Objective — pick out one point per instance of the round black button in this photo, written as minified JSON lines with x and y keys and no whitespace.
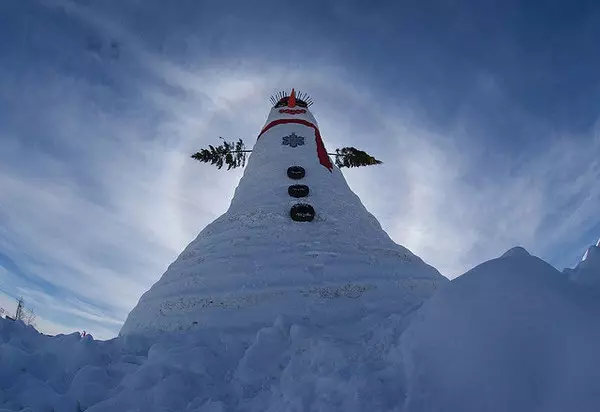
{"x":296,"y":172}
{"x":298,"y":190}
{"x":302,"y":212}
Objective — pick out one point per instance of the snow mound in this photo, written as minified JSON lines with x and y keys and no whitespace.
{"x":587,"y":272}
{"x":511,"y":334}
{"x":283,"y":367}
{"x":516,"y":251}
{"x":588,"y":250}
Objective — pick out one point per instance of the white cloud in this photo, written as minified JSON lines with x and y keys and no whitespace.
{"x":455,"y":213}
{"x":105,"y":243}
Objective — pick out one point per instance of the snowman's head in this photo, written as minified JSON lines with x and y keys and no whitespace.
{"x":292,"y":106}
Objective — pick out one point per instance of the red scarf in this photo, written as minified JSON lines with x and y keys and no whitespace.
{"x":321,"y":152}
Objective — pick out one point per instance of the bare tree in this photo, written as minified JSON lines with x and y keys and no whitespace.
{"x":27,"y":315}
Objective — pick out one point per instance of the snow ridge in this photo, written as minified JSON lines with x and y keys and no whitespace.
{"x":516,"y":251}
{"x":511,"y":334}
{"x":587,"y":272}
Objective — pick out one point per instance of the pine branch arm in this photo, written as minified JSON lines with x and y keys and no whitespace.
{"x":352,"y":157}
{"x":234,"y":155}
{"x":231,"y":154}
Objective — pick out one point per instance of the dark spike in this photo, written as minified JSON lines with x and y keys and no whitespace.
{"x":278,"y":96}
{"x":306,"y":98}
{"x":275,"y":98}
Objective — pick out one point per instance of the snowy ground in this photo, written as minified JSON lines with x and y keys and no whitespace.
{"x":513,"y":334}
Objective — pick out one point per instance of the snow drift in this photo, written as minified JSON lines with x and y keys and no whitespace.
{"x":511,"y":334}
{"x":587,"y":272}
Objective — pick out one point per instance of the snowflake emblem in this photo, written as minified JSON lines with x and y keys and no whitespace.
{"x":293,"y":140}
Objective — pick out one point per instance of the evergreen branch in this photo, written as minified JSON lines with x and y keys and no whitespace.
{"x":352,"y":157}
{"x":234,"y":155}
{"x":231,"y":154}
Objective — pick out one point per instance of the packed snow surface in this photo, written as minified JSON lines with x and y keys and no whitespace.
{"x":513,"y":334}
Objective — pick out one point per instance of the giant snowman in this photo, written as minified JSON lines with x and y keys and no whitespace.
{"x":296,"y":241}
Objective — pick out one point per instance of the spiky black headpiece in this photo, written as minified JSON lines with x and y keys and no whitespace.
{"x":281,"y":99}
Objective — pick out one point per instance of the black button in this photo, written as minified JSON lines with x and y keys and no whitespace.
{"x":298,"y":190}
{"x":302,"y":212}
{"x":296,"y":172}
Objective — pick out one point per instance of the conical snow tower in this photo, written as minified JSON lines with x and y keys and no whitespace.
{"x":295,"y":241}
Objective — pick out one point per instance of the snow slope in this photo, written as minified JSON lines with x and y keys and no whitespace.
{"x":254,"y":261}
{"x":587,"y":272}
{"x":513,"y":334}
{"x":282,"y":367}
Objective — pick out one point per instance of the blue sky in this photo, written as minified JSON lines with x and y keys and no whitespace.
{"x":484,"y":112}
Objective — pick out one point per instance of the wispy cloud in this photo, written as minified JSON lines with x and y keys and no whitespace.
{"x":99,"y":194}
{"x":456,"y":204}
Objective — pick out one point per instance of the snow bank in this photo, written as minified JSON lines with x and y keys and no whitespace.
{"x":587,"y":272}
{"x":513,"y":334}
{"x":284,"y":367}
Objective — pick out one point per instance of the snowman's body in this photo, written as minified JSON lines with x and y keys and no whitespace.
{"x":256,"y":261}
